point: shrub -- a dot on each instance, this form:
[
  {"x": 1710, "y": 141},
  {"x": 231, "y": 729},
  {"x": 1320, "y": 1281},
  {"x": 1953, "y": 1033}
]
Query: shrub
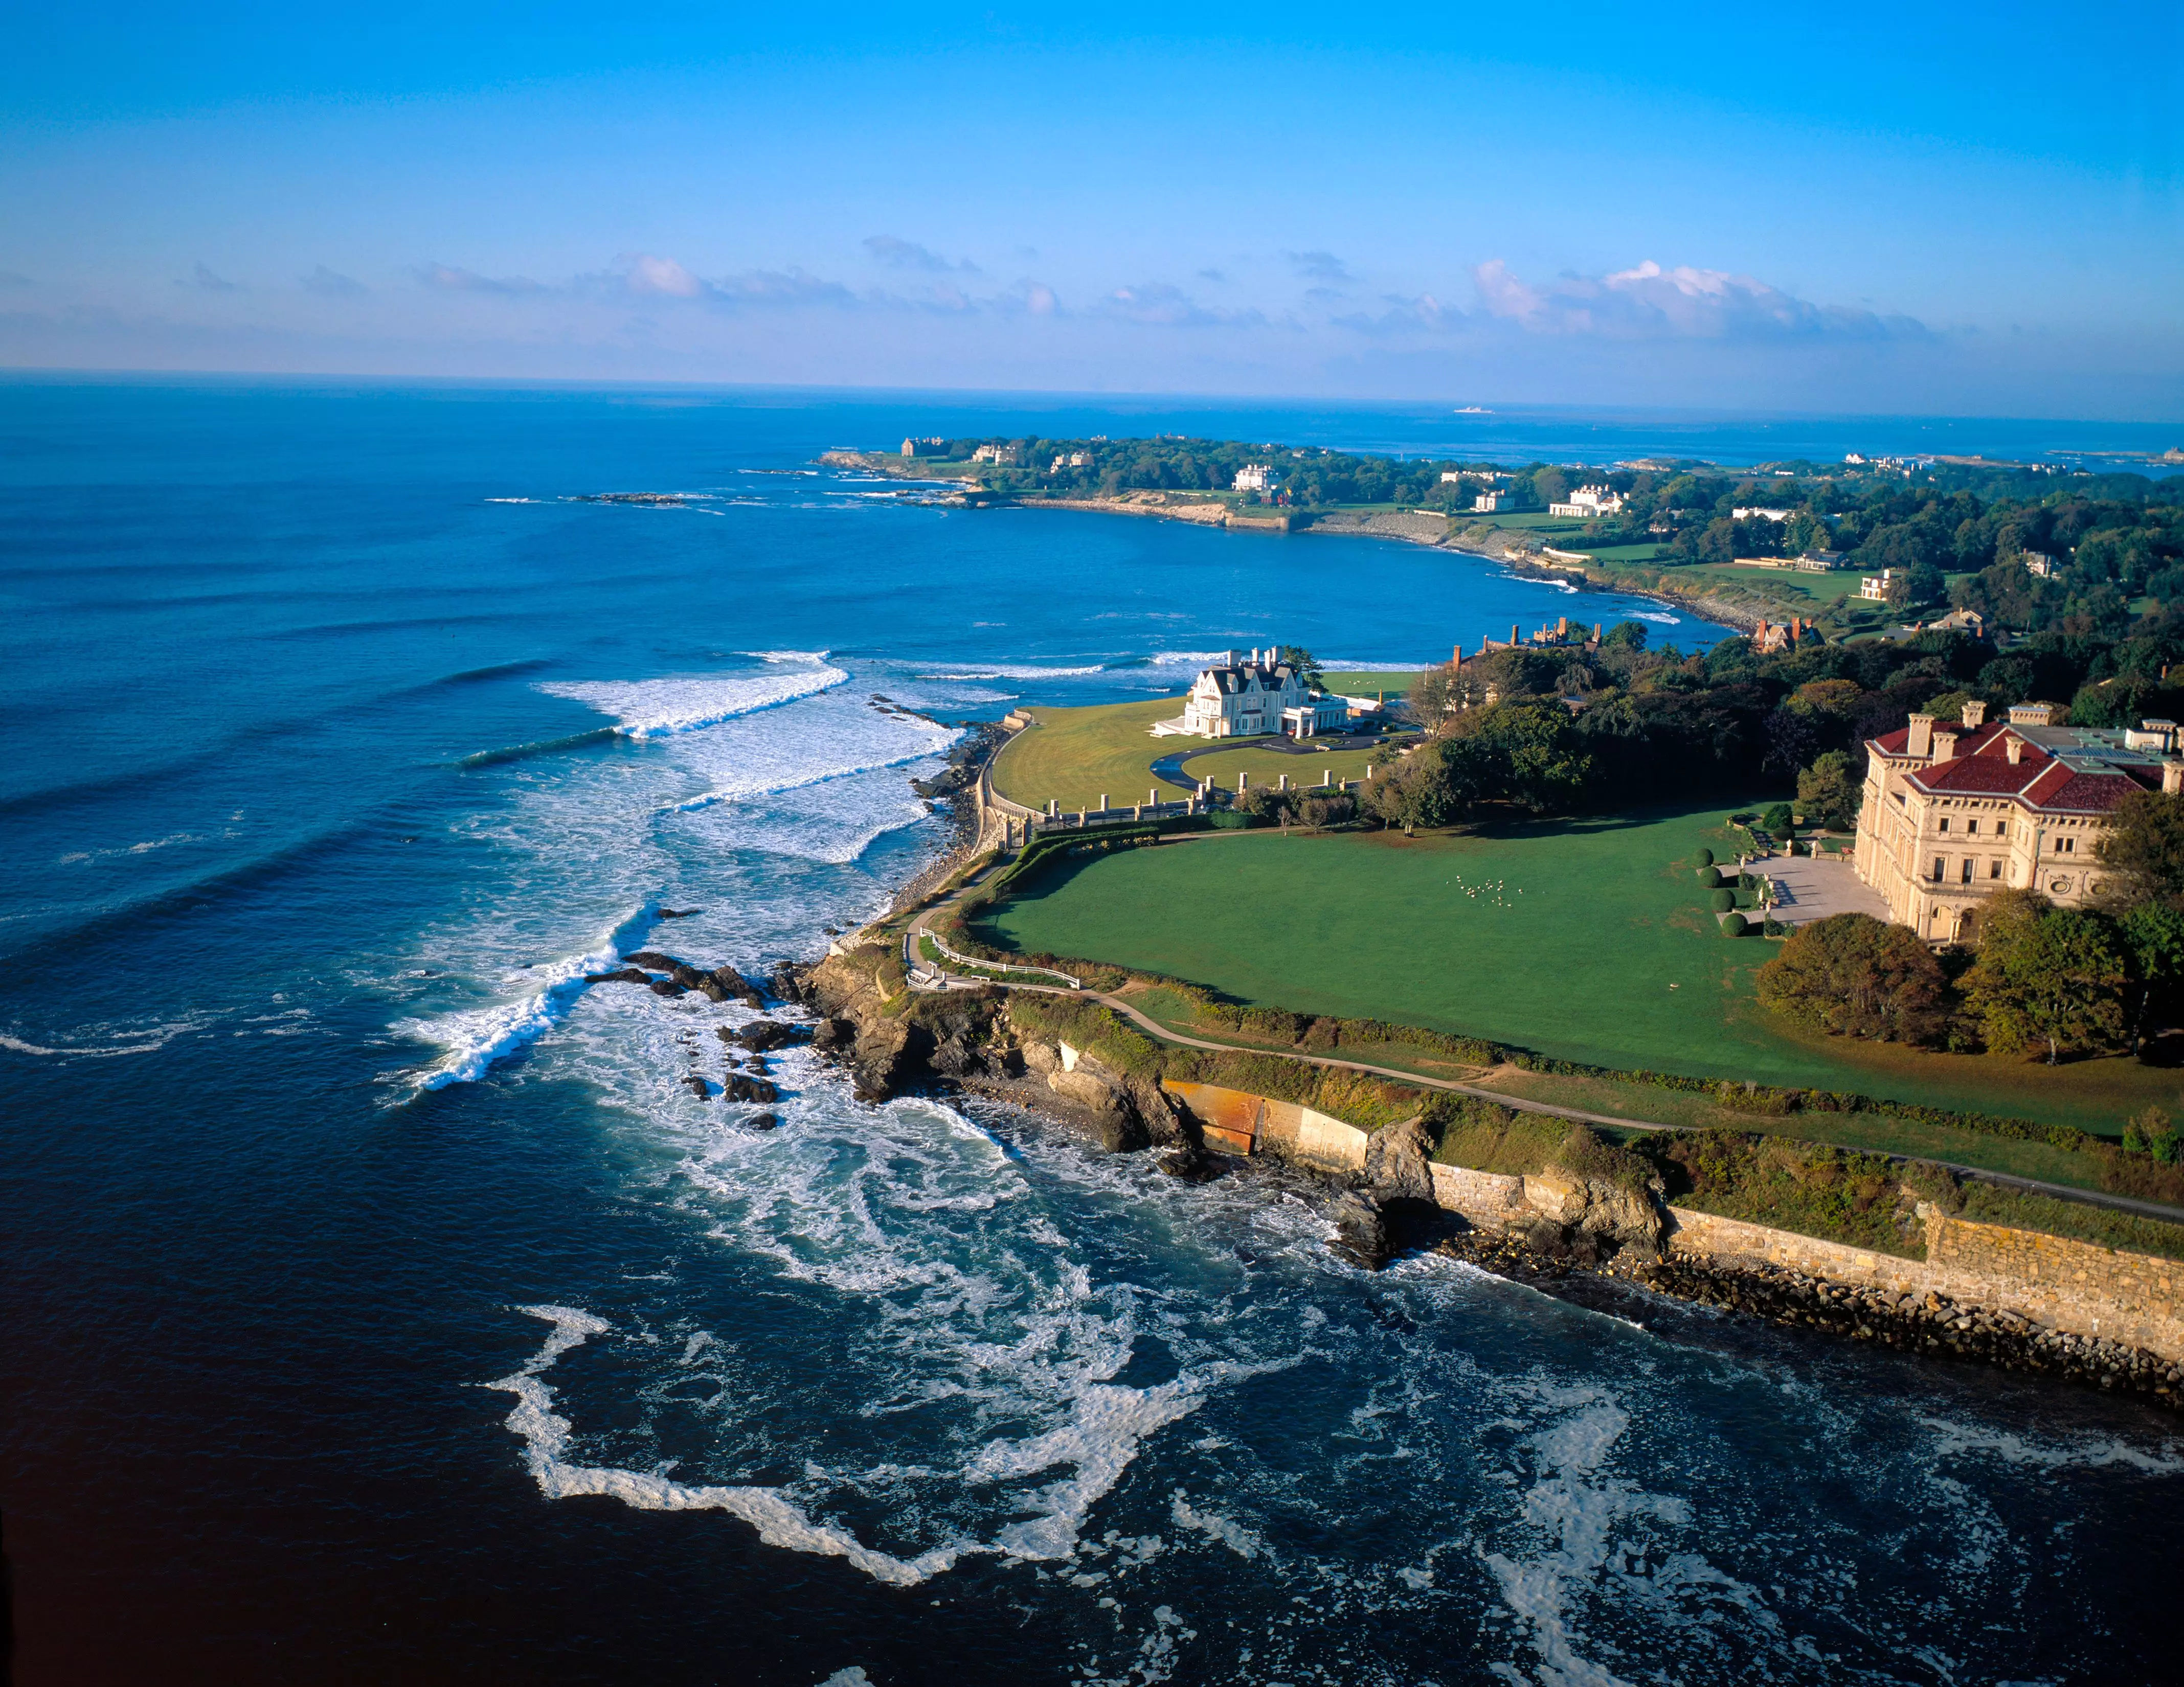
[
  {"x": 1709, "y": 876},
  {"x": 1724, "y": 899},
  {"x": 2153, "y": 1133},
  {"x": 1706, "y": 858},
  {"x": 1735, "y": 925},
  {"x": 1777, "y": 821}
]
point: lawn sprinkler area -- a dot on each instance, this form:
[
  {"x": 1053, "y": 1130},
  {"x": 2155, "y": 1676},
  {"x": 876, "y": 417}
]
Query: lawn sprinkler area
[{"x": 1584, "y": 940}]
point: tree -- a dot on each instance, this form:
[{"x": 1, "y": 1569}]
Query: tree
[
  {"x": 1830, "y": 790},
  {"x": 1433, "y": 699},
  {"x": 2142, "y": 849},
  {"x": 2153, "y": 934},
  {"x": 1628, "y": 635},
  {"x": 2047, "y": 977},
  {"x": 1305, "y": 663},
  {"x": 1531, "y": 751},
  {"x": 1851, "y": 975},
  {"x": 1916, "y": 587}
]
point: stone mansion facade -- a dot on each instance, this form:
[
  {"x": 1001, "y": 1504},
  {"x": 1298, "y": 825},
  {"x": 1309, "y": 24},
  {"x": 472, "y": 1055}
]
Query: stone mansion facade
[
  {"x": 1242, "y": 697},
  {"x": 1956, "y": 811}
]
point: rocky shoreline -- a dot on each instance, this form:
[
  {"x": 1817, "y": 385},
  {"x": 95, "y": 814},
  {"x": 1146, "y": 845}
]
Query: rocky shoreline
[{"x": 966, "y": 1041}]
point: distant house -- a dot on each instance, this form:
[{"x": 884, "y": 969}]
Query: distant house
[
  {"x": 1074, "y": 459},
  {"x": 1486, "y": 502},
  {"x": 1589, "y": 503},
  {"x": 1873, "y": 587},
  {"x": 1255, "y": 477},
  {"x": 1006, "y": 456},
  {"x": 1758, "y": 512},
  {"x": 2042, "y": 565},
  {"x": 925, "y": 448},
  {"x": 1246, "y": 695},
  {"x": 1821, "y": 562},
  {"x": 1448, "y": 475},
  {"x": 1771, "y": 638}
]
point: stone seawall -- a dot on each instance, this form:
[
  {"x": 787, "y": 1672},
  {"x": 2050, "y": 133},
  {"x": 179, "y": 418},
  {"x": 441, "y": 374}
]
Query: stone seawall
[
  {"x": 1239, "y": 1122},
  {"x": 2074, "y": 1287}
]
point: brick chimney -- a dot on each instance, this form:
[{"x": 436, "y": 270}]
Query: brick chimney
[
  {"x": 1975, "y": 714},
  {"x": 2172, "y": 778},
  {"x": 1945, "y": 746},
  {"x": 1921, "y": 741}
]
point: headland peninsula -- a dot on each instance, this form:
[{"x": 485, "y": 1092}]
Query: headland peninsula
[
  {"x": 1581, "y": 957},
  {"x": 1857, "y": 549}
]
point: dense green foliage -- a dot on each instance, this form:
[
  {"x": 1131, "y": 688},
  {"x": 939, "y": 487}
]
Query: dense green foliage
[{"x": 1852, "y": 974}]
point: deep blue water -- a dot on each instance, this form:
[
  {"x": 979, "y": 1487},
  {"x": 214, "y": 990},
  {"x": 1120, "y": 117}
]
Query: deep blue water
[{"x": 380, "y": 1304}]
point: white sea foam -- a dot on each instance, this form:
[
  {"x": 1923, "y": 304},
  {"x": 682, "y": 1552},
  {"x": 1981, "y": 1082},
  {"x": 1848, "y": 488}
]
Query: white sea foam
[
  {"x": 1660, "y": 616},
  {"x": 1228, "y": 1531},
  {"x": 475, "y": 1038},
  {"x": 779, "y": 1521},
  {"x": 1008, "y": 671},
  {"x": 649, "y": 708}
]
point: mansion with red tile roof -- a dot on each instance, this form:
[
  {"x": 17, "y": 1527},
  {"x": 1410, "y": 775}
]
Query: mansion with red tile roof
[{"x": 1956, "y": 811}]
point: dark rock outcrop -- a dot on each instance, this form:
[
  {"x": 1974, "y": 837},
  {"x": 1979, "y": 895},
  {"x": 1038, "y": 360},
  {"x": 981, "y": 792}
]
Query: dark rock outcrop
[
  {"x": 668, "y": 987},
  {"x": 761, "y": 1122},
  {"x": 626, "y": 975},
  {"x": 699, "y": 1088},
  {"x": 762, "y": 1034},
  {"x": 730, "y": 980},
  {"x": 653, "y": 961},
  {"x": 743, "y": 1088},
  {"x": 1360, "y": 1232},
  {"x": 1398, "y": 1162}
]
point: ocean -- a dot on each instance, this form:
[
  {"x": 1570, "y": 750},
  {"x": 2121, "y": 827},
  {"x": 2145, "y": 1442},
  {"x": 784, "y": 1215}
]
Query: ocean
[{"x": 381, "y": 1306}]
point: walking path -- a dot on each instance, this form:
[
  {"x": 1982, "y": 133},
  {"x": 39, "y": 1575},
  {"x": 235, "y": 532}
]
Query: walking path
[
  {"x": 914, "y": 964},
  {"x": 1153, "y": 1027}
]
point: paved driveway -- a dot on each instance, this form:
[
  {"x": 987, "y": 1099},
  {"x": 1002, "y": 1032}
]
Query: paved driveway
[{"x": 1807, "y": 889}]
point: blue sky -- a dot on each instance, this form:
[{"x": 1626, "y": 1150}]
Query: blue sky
[{"x": 1951, "y": 209}]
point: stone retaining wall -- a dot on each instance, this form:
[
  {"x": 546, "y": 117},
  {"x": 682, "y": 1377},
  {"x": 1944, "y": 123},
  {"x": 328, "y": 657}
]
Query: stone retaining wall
[
  {"x": 2075, "y": 1287},
  {"x": 1240, "y": 1123}
]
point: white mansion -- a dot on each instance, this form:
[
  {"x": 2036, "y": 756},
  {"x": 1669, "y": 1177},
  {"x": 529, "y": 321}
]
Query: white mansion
[{"x": 1240, "y": 698}]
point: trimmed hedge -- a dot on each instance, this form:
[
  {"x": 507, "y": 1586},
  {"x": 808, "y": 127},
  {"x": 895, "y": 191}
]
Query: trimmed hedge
[{"x": 1709, "y": 878}]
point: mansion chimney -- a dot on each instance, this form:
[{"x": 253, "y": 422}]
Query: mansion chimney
[
  {"x": 1921, "y": 741},
  {"x": 1945, "y": 746},
  {"x": 2014, "y": 747},
  {"x": 1974, "y": 713}
]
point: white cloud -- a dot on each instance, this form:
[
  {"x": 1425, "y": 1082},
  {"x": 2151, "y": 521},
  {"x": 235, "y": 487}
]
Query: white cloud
[
  {"x": 660, "y": 276},
  {"x": 203, "y": 281},
  {"x": 450, "y": 279},
  {"x": 1647, "y": 302},
  {"x": 908, "y": 254},
  {"x": 330, "y": 284}
]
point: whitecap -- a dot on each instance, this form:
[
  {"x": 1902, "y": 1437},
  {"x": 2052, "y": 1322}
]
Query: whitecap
[
  {"x": 648, "y": 709},
  {"x": 475, "y": 1038}
]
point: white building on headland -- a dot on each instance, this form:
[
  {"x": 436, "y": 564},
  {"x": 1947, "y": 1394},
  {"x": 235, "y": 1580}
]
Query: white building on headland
[
  {"x": 1873, "y": 587},
  {"x": 1589, "y": 503},
  {"x": 1255, "y": 477},
  {"x": 1487, "y": 503},
  {"x": 1006, "y": 456},
  {"x": 1757, "y": 512},
  {"x": 1247, "y": 694}
]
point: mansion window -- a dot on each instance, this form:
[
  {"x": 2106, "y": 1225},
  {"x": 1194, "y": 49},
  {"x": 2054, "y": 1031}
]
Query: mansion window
[
  {"x": 1941, "y": 868},
  {"x": 1994, "y": 868},
  {"x": 1945, "y": 823},
  {"x": 1967, "y": 874}
]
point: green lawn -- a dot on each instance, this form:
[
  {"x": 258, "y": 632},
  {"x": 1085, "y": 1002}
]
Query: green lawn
[
  {"x": 1586, "y": 941},
  {"x": 1266, "y": 766},
  {"x": 1078, "y": 756}
]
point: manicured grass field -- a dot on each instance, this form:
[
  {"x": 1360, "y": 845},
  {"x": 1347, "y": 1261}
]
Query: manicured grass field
[
  {"x": 1078, "y": 756},
  {"x": 1587, "y": 941},
  {"x": 1266, "y": 766}
]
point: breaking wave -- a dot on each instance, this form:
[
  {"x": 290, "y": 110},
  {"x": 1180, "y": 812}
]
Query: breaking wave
[{"x": 650, "y": 709}]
